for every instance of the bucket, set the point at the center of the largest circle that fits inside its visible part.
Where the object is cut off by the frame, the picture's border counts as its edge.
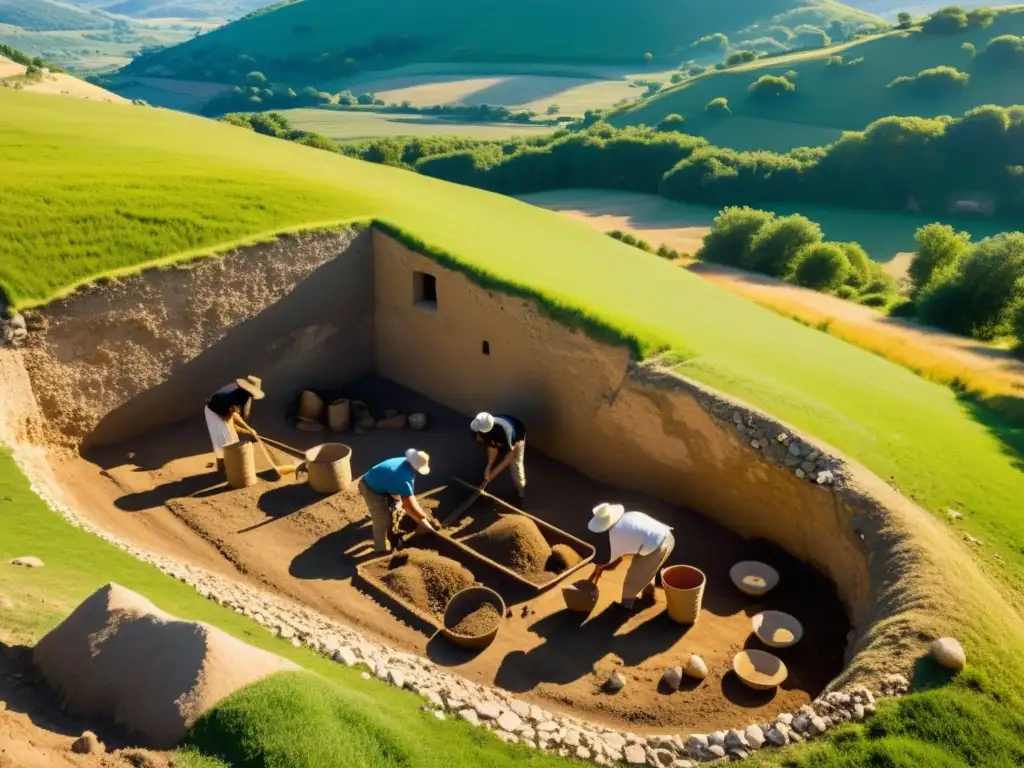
(339, 415)
(461, 605)
(684, 592)
(329, 467)
(311, 407)
(240, 465)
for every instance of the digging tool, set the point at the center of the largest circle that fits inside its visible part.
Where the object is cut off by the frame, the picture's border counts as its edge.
(285, 447)
(282, 471)
(459, 510)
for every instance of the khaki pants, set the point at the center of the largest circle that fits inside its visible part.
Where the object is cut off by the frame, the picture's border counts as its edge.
(385, 514)
(644, 570)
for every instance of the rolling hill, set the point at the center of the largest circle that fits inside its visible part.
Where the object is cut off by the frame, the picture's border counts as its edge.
(313, 40)
(832, 94)
(44, 16)
(178, 9)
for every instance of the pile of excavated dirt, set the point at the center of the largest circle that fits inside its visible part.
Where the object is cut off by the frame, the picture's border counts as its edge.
(514, 541)
(478, 622)
(119, 656)
(563, 557)
(426, 579)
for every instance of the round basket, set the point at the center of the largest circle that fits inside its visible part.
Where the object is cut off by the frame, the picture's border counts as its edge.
(684, 592)
(240, 465)
(329, 467)
(461, 605)
(580, 596)
(754, 578)
(759, 670)
(777, 629)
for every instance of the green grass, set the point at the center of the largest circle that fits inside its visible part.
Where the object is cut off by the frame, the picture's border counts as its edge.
(44, 16)
(833, 99)
(525, 30)
(352, 126)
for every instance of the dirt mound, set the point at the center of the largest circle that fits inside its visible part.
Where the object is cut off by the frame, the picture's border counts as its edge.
(563, 557)
(119, 656)
(426, 579)
(478, 622)
(514, 541)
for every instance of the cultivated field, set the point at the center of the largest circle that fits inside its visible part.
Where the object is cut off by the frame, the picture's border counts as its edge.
(351, 126)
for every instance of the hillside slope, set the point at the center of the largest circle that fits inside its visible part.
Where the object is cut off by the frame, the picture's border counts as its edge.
(314, 37)
(829, 98)
(44, 16)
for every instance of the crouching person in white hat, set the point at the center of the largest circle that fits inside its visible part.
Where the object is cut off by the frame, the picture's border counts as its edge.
(388, 491)
(502, 434)
(221, 408)
(635, 535)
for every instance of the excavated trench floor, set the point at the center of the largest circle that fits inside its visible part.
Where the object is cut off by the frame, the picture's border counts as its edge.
(159, 491)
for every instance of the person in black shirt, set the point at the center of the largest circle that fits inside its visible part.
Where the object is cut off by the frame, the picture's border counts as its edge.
(235, 398)
(503, 434)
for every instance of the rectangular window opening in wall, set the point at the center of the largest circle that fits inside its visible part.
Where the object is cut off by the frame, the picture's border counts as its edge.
(486, 348)
(424, 290)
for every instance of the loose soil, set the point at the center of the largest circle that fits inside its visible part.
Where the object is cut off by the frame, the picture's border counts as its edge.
(478, 622)
(298, 544)
(563, 557)
(514, 541)
(426, 579)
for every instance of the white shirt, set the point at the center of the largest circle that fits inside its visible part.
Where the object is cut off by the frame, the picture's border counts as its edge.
(636, 534)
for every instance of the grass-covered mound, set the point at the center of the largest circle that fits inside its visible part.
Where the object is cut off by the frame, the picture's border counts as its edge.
(845, 88)
(44, 16)
(316, 40)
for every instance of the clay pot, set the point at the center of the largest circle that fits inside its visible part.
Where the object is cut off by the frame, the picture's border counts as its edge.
(684, 592)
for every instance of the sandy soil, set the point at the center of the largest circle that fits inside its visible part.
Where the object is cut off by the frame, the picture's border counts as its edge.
(59, 84)
(36, 733)
(306, 547)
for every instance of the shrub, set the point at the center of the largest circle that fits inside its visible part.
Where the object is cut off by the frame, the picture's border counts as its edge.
(776, 248)
(875, 299)
(739, 57)
(717, 40)
(840, 62)
(980, 294)
(257, 79)
(696, 69)
(791, 75)
(648, 57)
(1018, 322)
(821, 267)
(676, 78)
(553, 109)
(904, 20)
(365, 99)
(946, 21)
(667, 252)
(718, 106)
(732, 235)
(860, 264)
(834, 61)
(939, 247)
(932, 82)
(846, 292)
(1004, 51)
(981, 17)
(671, 123)
(771, 86)
(969, 48)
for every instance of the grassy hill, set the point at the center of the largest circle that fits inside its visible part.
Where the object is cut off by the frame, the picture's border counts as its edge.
(313, 38)
(89, 188)
(179, 9)
(44, 16)
(833, 95)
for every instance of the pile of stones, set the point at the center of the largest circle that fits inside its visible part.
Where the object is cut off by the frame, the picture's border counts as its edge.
(13, 329)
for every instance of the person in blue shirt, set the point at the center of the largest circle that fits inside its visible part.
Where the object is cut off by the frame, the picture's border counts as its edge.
(503, 434)
(388, 490)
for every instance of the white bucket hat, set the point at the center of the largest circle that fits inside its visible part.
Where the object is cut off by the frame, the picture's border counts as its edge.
(419, 460)
(605, 516)
(483, 422)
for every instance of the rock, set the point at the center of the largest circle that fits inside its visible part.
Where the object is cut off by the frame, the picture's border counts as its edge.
(521, 708)
(345, 656)
(571, 738)
(509, 721)
(285, 632)
(755, 736)
(660, 758)
(365, 675)
(684, 764)
(949, 653)
(800, 473)
(738, 754)
(88, 744)
(735, 739)
(582, 753)
(785, 718)
(614, 740)
(507, 737)
(953, 514)
(27, 562)
(439, 714)
(755, 444)
(973, 541)
(778, 736)
(717, 739)
(697, 743)
(635, 755)
(808, 466)
(548, 726)
(469, 716)
(615, 683)
(434, 698)
(696, 667)
(396, 678)
(417, 421)
(672, 678)
(826, 477)
(716, 751)
(737, 417)
(857, 712)
(801, 723)
(18, 321)
(796, 448)
(816, 726)
(487, 710)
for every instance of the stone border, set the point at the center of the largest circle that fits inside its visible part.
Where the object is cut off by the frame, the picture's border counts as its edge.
(447, 695)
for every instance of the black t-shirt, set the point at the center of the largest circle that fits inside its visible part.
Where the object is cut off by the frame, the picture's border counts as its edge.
(498, 437)
(222, 402)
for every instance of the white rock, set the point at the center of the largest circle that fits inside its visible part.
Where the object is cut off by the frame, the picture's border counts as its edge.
(439, 714)
(826, 477)
(470, 716)
(487, 710)
(857, 712)
(696, 668)
(614, 740)
(397, 678)
(527, 733)
(716, 750)
(684, 764)
(785, 718)
(817, 726)
(434, 698)
(509, 721)
(571, 738)
(697, 743)
(521, 708)
(27, 562)
(949, 653)
(717, 739)
(800, 473)
(953, 514)
(365, 675)
(660, 758)
(345, 656)
(672, 678)
(548, 726)
(635, 755)
(755, 736)
(507, 737)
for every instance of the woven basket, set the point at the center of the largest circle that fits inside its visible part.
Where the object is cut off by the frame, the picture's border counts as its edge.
(329, 467)
(240, 465)
(339, 415)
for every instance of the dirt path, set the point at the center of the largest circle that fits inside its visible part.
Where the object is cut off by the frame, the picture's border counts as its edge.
(306, 547)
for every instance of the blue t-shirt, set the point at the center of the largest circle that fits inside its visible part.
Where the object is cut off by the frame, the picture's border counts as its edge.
(393, 477)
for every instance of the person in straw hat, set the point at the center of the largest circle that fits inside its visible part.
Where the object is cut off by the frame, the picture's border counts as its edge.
(221, 408)
(506, 435)
(388, 490)
(635, 535)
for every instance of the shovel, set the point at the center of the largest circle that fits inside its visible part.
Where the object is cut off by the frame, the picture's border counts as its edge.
(459, 510)
(281, 471)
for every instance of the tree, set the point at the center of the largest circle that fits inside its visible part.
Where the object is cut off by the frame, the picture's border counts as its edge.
(771, 86)
(904, 20)
(365, 99)
(776, 248)
(936, 81)
(739, 57)
(671, 123)
(981, 17)
(553, 109)
(676, 78)
(939, 247)
(821, 267)
(1018, 322)
(860, 264)
(732, 234)
(718, 106)
(946, 21)
(1004, 51)
(257, 79)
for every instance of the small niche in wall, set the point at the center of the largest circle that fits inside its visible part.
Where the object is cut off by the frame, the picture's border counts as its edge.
(424, 290)
(486, 348)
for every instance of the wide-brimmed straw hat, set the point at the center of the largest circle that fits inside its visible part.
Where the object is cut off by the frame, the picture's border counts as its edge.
(605, 516)
(253, 386)
(483, 422)
(420, 460)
